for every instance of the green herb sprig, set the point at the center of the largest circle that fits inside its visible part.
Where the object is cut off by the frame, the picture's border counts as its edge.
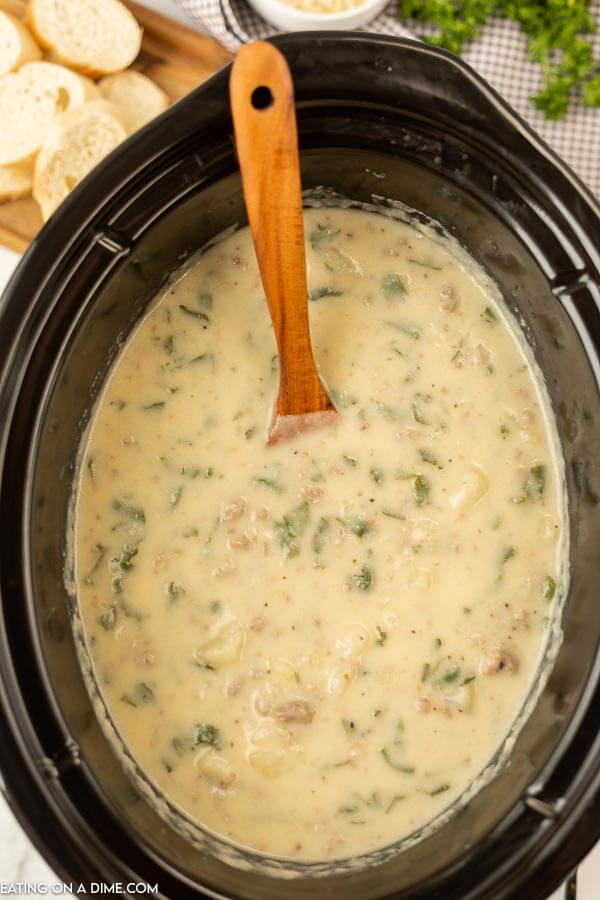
(558, 40)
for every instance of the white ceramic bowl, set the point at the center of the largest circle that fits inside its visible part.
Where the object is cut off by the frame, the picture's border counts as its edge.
(288, 18)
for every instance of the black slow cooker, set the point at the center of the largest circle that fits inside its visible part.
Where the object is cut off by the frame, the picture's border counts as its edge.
(378, 118)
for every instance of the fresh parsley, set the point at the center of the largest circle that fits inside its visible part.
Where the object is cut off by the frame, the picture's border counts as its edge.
(558, 40)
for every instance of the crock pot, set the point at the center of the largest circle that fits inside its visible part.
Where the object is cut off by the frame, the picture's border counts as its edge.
(378, 118)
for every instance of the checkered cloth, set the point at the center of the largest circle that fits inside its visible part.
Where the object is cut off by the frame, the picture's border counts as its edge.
(499, 55)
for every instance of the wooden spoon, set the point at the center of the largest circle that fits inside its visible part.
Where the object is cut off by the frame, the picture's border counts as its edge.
(264, 120)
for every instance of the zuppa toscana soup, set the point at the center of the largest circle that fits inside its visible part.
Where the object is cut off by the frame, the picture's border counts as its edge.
(314, 648)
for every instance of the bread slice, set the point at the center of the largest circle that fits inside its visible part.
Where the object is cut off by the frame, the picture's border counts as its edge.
(15, 181)
(90, 88)
(139, 98)
(30, 100)
(96, 37)
(78, 141)
(17, 45)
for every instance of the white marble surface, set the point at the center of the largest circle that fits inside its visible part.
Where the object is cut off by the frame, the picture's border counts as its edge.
(20, 863)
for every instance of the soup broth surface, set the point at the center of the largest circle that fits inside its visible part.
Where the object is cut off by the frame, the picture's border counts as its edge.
(314, 648)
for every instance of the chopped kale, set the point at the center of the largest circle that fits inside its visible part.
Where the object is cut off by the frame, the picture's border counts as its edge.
(197, 471)
(424, 265)
(448, 673)
(548, 588)
(438, 790)
(376, 474)
(412, 331)
(135, 513)
(156, 406)
(320, 293)
(399, 767)
(318, 541)
(489, 316)
(393, 285)
(381, 636)
(289, 529)
(139, 695)
(207, 359)
(357, 525)
(392, 803)
(128, 553)
(421, 489)
(175, 590)
(101, 553)
(128, 610)
(537, 480)
(108, 617)
(202, 664)
(322, 234)
(271, 483)
(418, 416)
(207, 734)
(428, 457)
(534, 485)
(182, 745)
(363, 579)
(195, 314)
(391, 514)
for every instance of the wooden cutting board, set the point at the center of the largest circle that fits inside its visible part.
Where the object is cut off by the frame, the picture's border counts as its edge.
(175, 57)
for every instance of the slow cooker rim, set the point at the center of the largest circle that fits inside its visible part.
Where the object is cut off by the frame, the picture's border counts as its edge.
(485, 87)
(78, 202)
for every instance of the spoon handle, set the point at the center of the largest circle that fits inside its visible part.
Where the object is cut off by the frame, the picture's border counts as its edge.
(262, 104)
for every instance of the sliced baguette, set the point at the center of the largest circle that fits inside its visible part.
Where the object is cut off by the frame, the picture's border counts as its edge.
(78, 141)
(90, 89)
(138, 97)
(96, 37)
(17, 45)
(30, 100)
(15, 181)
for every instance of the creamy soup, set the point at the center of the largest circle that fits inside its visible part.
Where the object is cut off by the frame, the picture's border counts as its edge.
(314, 648)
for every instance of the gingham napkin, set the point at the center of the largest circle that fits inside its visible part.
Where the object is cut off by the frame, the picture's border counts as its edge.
(499, 55)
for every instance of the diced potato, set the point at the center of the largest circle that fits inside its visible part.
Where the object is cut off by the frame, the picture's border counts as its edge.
(471, 490)
(549, 528)
(296, 710)
(412, 575)
(282, 670)
(422, 530)
(529, 428)
(226, 648)
(267, 760)
(339, 677)
(460, 699)
(336, 260)
(354, 643)
(498, 659)
(216, 768)
(267, 748)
